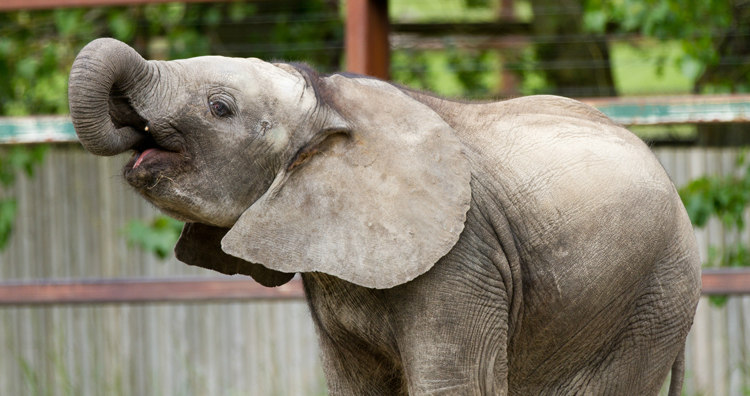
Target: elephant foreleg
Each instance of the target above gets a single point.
(353, 369)
(454, 344)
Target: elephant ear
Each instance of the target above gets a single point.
(200, 245)
(376, 205)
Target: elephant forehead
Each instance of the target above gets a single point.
(251, 78)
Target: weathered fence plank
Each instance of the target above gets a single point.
(103, 291)
(139, 291)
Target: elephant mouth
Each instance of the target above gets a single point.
(153, 161)
(140, 156)
(148, 158)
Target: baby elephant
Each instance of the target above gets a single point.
(528, 246)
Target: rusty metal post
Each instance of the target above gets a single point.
(367, 48)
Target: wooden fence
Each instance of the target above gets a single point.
(718, 353)
(69, 228)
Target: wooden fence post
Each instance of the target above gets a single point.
(367, 48)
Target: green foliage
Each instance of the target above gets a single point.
(725, 198)
(648, 66)
(157, 236)
(37, 48)
(19, 158)
(7, 217)
(32, 60)
(452, 72)
(710, 33)
(14, 160)
(444, 10)
(309, 31)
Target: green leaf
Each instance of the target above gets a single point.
(157, 236)
(27, 67)
(239, 10)
(7, 46)
(212, 17)
(691, 67)
(595, 21)
(7, 216)
(725, 197)
(718, 300)
(19, 158)
(122, 26)
(67, 21)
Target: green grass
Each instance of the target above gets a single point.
(648, 68)
(453, 10)
(447, 11)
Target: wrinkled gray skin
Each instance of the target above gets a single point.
(522, 247)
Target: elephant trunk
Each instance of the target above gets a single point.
(104, 77)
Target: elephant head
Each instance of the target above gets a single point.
(275, 169)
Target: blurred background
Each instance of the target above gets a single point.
(676, 73)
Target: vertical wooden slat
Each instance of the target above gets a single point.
(734, 352)
(719, 350)
(732, 346)
(745, 350)
(210, 330)
(5, 335)
(8, 338)
(366, 42)
(717, 317)
(689, 165)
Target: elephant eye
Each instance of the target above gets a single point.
(219, 108)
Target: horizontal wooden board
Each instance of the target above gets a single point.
(715, 282)
(141, 291)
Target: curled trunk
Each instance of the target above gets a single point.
(105, 75)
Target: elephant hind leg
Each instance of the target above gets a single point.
(650, 344)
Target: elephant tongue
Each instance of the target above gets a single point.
(142, 156)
